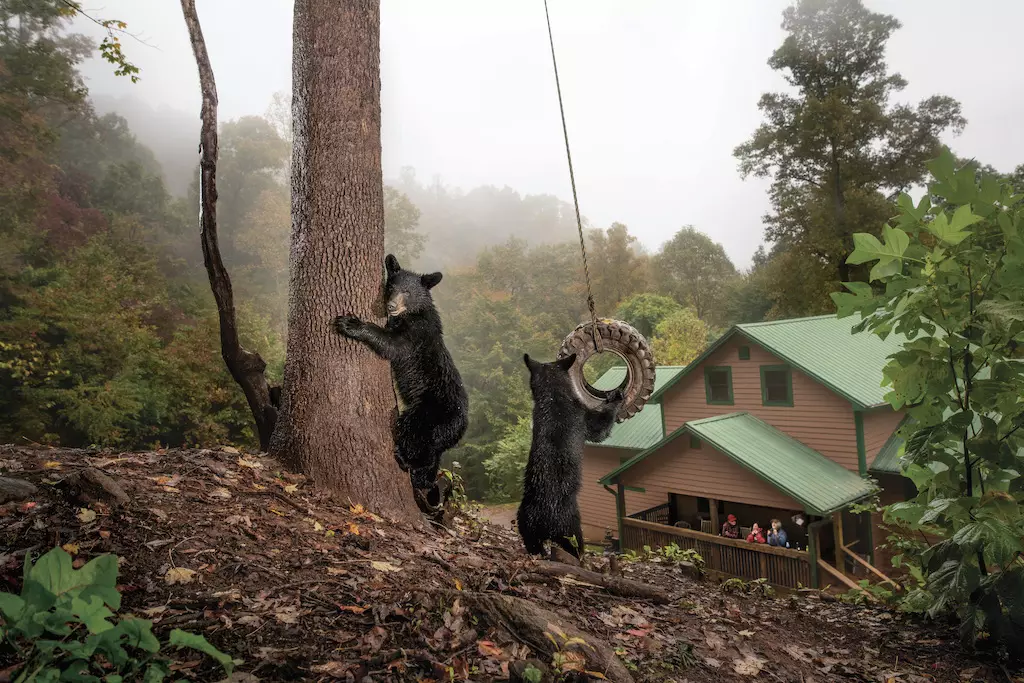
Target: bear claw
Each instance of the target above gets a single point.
(346, 324)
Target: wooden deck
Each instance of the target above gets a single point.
(780, 566)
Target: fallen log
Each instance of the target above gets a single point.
(532, 626)
(91, 485)
(624, 588)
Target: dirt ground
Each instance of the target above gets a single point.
(300, 587)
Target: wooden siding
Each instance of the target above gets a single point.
(878, 427)
(894, 490)
(597, 505)
(706, 473)
(818, 417)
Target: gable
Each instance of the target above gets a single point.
(817, 417)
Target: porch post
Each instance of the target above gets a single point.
(837, 531)
(620, 512)
(716, 550)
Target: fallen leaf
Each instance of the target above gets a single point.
(221, 492)
(287, 615)
(25, 507)
(278, 512)
(317, 526)
(85, 515)
(70, 548)
(384, 566)
(153, 545)
(179, 575)
(458, 585)
(252, 464)
(596, 674)
(104, 533)
(357, 509)
(489, 649)
(353, 528)
(51, 465)
(153, 611)
(229, 449)
(714, 641)
(335, 669)
(354, 609)
(291, 488)
(375, 638)
(713, 663)
(748, 666)
(746, 634)
(336, 571)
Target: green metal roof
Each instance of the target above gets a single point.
(888, 459)
(641, 431)
(644, 429)
(824, 348)
(819, 484)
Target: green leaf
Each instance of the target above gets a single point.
(93, 613)
(181, 638)
(943, 168)
(98, 577)
(867, 247)
(848, 304)
(11, 606)
(139, 633)
(953, 231)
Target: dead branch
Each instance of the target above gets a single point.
(91, 485)
(16, 489)
(624, 588)
(246, 367)
(528, 623)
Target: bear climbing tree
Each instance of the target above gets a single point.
(337, 401)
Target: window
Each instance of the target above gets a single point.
(744, 353)
(776, 385)
(718, 385)
(694, 441)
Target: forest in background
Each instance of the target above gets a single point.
(108, 331)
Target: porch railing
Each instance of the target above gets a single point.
(780, 566)
(656, 515)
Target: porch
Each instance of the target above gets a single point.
(790, 568)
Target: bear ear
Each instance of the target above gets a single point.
(391, 264)
(430, 280)
(530, 363)
(566, 363)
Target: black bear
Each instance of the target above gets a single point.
(549, 510)
(436, 405)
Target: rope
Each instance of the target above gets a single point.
(572, 181)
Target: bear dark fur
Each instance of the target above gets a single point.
(562, 425)
(436, 405)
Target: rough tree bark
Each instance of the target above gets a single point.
(246, 367)
(336, 407)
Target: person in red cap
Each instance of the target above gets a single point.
(731, 528)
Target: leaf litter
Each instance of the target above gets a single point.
(335, 592)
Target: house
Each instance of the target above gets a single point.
(783, 419)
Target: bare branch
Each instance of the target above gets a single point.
(247, 368)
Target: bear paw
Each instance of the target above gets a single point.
(346, 325)
(614, 396)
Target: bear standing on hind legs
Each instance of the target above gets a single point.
(436, 406)
(562, 425)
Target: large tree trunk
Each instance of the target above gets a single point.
(335, 420)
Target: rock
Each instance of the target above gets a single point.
(16, 489)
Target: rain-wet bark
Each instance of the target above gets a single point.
(335, 417)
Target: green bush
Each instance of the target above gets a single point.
(63, 627)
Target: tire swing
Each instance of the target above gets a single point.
(602, 335)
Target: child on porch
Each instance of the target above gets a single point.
(731, 529)
(755, 535)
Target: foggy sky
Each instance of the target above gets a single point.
(658, 92)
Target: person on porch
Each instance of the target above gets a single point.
(777, 536)
(755, 535)
(731, 528)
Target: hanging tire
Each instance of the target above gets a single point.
(622, 339)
